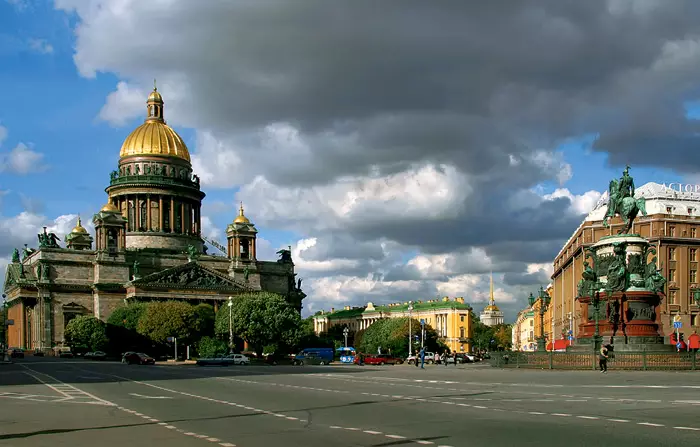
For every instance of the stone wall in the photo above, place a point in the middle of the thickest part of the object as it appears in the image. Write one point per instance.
(162, 240)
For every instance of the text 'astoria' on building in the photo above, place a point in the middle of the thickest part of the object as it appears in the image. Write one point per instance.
(147, 246)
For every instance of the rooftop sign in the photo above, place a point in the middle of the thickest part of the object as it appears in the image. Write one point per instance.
(682, 187)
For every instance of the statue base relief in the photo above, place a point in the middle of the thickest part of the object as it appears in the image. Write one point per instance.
(625, 282)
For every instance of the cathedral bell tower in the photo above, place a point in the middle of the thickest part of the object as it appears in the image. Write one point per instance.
(241, 234)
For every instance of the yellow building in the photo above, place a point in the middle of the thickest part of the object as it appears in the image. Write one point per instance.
(547, 319)
(450, 318)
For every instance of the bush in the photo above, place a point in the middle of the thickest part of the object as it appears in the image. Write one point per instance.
(209, 347)
(169, 319)
(86, 331)
(392, 334)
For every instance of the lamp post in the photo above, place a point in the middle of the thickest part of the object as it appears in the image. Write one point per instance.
(595, 299)
(346, 331)
(410, 317)
(6, 328)
(230, 324)
(544, 299)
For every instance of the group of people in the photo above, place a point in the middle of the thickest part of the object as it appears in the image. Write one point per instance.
(438, 358)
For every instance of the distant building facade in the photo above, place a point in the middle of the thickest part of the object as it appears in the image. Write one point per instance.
(523, 331)
(450, 318)
(672, 225)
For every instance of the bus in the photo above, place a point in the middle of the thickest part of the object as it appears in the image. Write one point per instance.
(346, 354)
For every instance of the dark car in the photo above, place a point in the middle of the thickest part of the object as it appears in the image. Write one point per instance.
(16, 353)
(310, 358)
(38, 353)
(97, 355)
(138, 358)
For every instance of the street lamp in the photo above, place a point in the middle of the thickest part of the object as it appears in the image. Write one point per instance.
(230, 324)
(6, 341)
(544, 304)
(410, 309)
(595, 299)
(346, 331)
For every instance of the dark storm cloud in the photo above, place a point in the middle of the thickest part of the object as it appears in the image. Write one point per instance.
(413, 80)
(340, 246)
(527, 279)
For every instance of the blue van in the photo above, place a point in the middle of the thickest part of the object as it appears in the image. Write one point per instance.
(325, 355)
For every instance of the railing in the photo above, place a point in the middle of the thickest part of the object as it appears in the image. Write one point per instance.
(573, 360)
(123, 179)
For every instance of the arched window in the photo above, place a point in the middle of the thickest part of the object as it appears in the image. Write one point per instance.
(132, 216)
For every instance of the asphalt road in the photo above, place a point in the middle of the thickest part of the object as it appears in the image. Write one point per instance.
(51, 402)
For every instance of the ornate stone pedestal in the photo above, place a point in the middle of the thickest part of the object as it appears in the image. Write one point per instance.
(625, 286)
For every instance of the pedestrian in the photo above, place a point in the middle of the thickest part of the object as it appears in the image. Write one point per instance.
(444, 358)
(422, 358)
(603, 359)
(436, 358)
(454, 358)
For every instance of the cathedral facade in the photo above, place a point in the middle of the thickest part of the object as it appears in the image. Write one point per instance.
(147, 246)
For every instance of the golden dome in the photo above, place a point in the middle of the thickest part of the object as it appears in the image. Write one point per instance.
(492, 308)
(241, 217)
(109, 208)
(154, 136)
(79, 228)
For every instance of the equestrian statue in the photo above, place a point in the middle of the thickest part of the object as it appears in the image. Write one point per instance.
(621, 202)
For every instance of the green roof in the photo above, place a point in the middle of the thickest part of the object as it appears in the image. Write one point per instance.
(418, 307)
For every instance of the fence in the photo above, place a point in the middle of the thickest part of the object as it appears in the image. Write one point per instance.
(645, 361)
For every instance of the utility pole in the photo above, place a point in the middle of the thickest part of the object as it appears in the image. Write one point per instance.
(410, 341)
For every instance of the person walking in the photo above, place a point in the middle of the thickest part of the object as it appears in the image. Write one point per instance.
(603, 359)
(422, 358)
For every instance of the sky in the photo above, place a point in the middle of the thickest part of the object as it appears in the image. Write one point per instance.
(404, 150)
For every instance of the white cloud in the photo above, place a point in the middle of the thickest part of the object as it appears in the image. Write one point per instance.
(211, 231)
(580, 204)
(23, 228)
(40, 46)
(317, 266)
(22, 160)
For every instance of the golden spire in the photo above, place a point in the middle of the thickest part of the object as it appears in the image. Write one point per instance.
(492, 301)
(241, 217)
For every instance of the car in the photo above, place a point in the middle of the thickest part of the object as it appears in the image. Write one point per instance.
(16, 353)
(38, 353)
(88, 355)
(138, 358)
(231, 359)
(382, 359)
(98, 355)
(310, 358)
(65, 352)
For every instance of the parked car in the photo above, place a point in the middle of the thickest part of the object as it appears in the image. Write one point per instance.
(429, 358)
(16, 353)
(382, 359)
(326, 355)
(231, 359)
(38, 353)
(65, 352)
(464, 358)
(138, 358)
(97, 355)
(310, 358)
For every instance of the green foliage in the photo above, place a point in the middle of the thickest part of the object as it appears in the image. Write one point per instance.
(261, 319)
(128, 316)
(86, 331)
(169, 319)
(490, 338)
(392, 334)
(206, 318)
(309, 339)
(209, 347)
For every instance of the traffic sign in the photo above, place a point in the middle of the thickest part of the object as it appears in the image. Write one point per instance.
(677, 325)
(678, 345)
(677, 318)
(571, 332)
(571, 337)
(10, 322)
(170, 339)
(422, 321)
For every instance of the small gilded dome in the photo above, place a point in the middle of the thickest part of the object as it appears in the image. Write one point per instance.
(155, 96)
(492, 308)
(79, 228)
(109, 208)
(241, 217)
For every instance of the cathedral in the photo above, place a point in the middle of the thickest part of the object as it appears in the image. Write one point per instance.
(492, 315)
(147, 246)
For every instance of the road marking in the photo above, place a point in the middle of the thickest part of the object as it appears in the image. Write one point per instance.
(618, 420)
(150, 397)
(687, 428)
(62, 388)
(588, 417)
(650, 424)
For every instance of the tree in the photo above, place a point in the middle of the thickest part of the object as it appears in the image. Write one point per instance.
(122, 329)
(261, 319)
(392, 334)
(127, 317)
(206, 318)
(309, 339)
(209, 347)
(169, 319)
(503, 336)
(86, 331)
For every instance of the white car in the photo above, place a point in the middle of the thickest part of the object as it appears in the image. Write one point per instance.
(239, 359)
(231, 359)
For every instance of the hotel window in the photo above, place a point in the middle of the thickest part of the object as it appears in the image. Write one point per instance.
(671, 254)
(672, 231)
(672, 297)
(461, 318)
(461, 332)
(693, 254)
(672, 275)
(693, 232)
(693, 276)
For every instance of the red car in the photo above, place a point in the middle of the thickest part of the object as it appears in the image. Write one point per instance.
(382, 359)
(138, 358)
